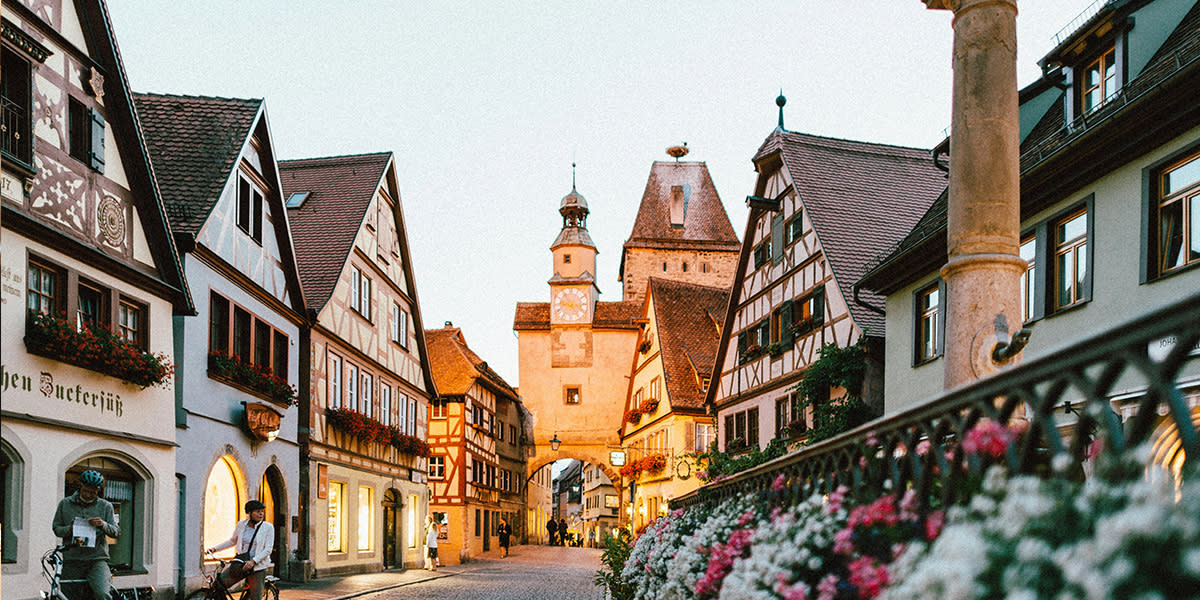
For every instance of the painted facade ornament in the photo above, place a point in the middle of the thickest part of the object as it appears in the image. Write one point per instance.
(112, 221)
(96, 81)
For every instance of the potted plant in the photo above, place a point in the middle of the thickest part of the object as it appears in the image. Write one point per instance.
(258, 378)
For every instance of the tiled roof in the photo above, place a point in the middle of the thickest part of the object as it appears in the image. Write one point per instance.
(851, 187)
(194, 142)
(456, 367)
(609, 315)
(1049, 135)
(688, 318)
(325, 225)
(705, 221)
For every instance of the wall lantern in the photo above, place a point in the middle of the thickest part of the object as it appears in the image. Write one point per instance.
(555, 442)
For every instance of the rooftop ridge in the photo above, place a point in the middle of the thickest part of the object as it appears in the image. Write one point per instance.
(196, 97)
(295, 163)
(880, 145)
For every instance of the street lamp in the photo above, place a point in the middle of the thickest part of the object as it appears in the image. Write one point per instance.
(554, 442)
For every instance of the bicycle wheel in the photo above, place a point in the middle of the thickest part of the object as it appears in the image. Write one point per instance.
(202, 594)
(270, 592)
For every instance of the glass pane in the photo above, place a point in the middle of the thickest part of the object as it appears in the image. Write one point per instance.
(1181, 176)
(1027, 293)
(1065, 277)
(1028, 250)
(1194, 228)
(1074, 228)
(1170, 228)
(364, 518)
(335, 517)
(222, 506)
(1080, 270)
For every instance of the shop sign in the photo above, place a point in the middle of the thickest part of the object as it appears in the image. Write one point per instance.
(262, 421)
(616, 458)
(99, 398)
(1160, 348)
(322, 481)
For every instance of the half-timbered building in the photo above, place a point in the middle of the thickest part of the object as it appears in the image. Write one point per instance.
(466, 476)
(236, 361)
(363, 409)
(821, 209)
(90, 283)
(666, 423)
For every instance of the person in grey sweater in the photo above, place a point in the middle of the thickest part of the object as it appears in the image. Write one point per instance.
(81, 560)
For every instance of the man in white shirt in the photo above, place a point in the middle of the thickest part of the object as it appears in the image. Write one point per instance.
(254, 538)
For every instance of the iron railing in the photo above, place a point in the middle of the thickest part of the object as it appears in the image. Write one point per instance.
(1062, 398)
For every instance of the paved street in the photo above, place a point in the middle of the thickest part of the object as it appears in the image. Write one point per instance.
(529, 573)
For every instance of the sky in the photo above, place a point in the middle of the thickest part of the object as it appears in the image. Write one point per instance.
(486, 105)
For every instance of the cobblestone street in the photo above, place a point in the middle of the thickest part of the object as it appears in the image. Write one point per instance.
(529, 573)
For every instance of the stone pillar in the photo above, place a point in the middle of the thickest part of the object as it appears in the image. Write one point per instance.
(983, 270)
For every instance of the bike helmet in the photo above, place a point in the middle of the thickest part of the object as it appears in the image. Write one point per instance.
(254, 505)
(91, 479)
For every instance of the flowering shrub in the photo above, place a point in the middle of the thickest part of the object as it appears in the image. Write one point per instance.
(257, 377)
(368, 430)
(1030, 538)
(633, 415)
(654, 463)
(751, 352)
(648, 406)
(407, 444)
(98, 349)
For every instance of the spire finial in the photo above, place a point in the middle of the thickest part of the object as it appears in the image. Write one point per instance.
(780, 101)
(572, 176)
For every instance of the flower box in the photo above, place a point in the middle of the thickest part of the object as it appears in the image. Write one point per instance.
(751, 352)
(655, 463)
(649, 405)
(368, 430)
(633, 415)
(96, 349)
(258, 379)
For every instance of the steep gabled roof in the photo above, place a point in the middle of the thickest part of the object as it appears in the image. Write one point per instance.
(852, 188)
(456, 368)
(609, 315)
(194, 142)
(324, 226)
(688, 319)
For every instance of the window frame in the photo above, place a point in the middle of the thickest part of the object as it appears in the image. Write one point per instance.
(335, 396)
(920, 357)
(399, 325)
(278, 340)
(20, 152)
(250, 208)
(762, 253)
(567, 395)
(66, 298)
(1152, 204)
(437, 466)
(438, 408)
(360, 292)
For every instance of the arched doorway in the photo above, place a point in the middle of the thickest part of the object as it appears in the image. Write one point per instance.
(1167, 450)
(223, 503)
(271, 493)
(391, 531)
(125, 489)
(578, 493)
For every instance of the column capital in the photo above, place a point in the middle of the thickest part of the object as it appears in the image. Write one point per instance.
(961, 5)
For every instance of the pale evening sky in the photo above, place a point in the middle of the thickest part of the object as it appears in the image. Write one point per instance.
(487, 104)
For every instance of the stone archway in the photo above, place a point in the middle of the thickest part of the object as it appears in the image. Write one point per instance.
(597, 457)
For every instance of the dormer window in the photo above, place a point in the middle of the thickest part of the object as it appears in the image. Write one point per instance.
(1099, 82)
(1093, 57)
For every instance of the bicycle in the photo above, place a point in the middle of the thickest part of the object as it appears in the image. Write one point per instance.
(52, 565)
(215, 589)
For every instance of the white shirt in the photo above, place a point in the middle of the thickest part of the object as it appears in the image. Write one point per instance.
(260, 551)
(432, 537)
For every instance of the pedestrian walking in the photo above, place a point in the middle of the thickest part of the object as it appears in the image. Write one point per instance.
(551, 529)
(431, 546)
(504, 531)
(83, 522)
(591, 538)
(562, 532)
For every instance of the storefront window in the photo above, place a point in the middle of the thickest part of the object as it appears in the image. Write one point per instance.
(222, 504)
(124, 489)
(336, 538)
(412, 521)
(364, 518)
(10, 500)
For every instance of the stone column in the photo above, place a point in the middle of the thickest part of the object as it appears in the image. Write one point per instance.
(983, 270)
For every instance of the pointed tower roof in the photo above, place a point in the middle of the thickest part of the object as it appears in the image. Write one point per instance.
(574, 211)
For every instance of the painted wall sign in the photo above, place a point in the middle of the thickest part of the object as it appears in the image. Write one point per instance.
(103, 400)
(262, 421)
(10, 283)
(11, 188)
(322, 481)
(1160, 348)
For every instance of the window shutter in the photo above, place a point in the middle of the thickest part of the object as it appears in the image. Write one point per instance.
(257, 216)
(764, 332)
(785, 324)
(819, 306)
(741, 347)
(689, 435)
(777, 239)
(96, 155)
(728, 430)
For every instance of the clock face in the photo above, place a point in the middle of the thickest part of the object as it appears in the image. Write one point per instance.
(570, 304)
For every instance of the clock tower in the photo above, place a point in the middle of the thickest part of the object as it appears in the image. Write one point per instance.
(573, 291)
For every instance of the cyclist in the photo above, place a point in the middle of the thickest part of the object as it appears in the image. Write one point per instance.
(254, 538)
(86, 556)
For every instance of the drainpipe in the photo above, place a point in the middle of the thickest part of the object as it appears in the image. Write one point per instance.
(863, 303)
(983, 270)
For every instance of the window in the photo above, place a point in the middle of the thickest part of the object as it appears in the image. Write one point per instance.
(704, 437)
(360, 292)
(789, 416)
(795, 228)
(437, 467)
(762, 253)
(566, 259)
(89, 309)
(364, 518)
(753, 340)
(1070, 259)
(44, 289)
(1099, 81)
(12, 509)
(437, 408)
(16, 96)
(741, 429)
(512, 435)
(413, 502)
(85, 134)
(126, 490)
(367, 402)
(1177, 191)
(131, 322)
(412, 414)
(250, 208)
(402, 405)
(352, 387)
(500, 433)
(385, 403)
(400, 326)
(808, 312)
(296, 199)
(653, 391)
(335, 382)
(1028, 253)
(245, 336)
(571, 395)
(930, 320)
(336, 524)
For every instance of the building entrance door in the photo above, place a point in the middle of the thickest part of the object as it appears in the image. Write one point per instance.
(391, 505)
(487, 530)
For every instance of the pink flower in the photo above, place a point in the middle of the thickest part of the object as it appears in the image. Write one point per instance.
(933, 524)
(990, 438)
(827, 589)
(868, 576)
(837, 499)
(746, 518)
(795, 591)
(780, 483)
(923, 447)
(1095, 448)
(908, 506)
(842, 541)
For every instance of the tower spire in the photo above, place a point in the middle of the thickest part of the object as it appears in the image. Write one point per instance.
(780, 101)
(572, 176)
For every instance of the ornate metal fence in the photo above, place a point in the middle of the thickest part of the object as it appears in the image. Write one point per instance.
(1059, 403)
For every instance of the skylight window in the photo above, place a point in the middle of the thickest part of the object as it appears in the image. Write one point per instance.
(296, 199)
